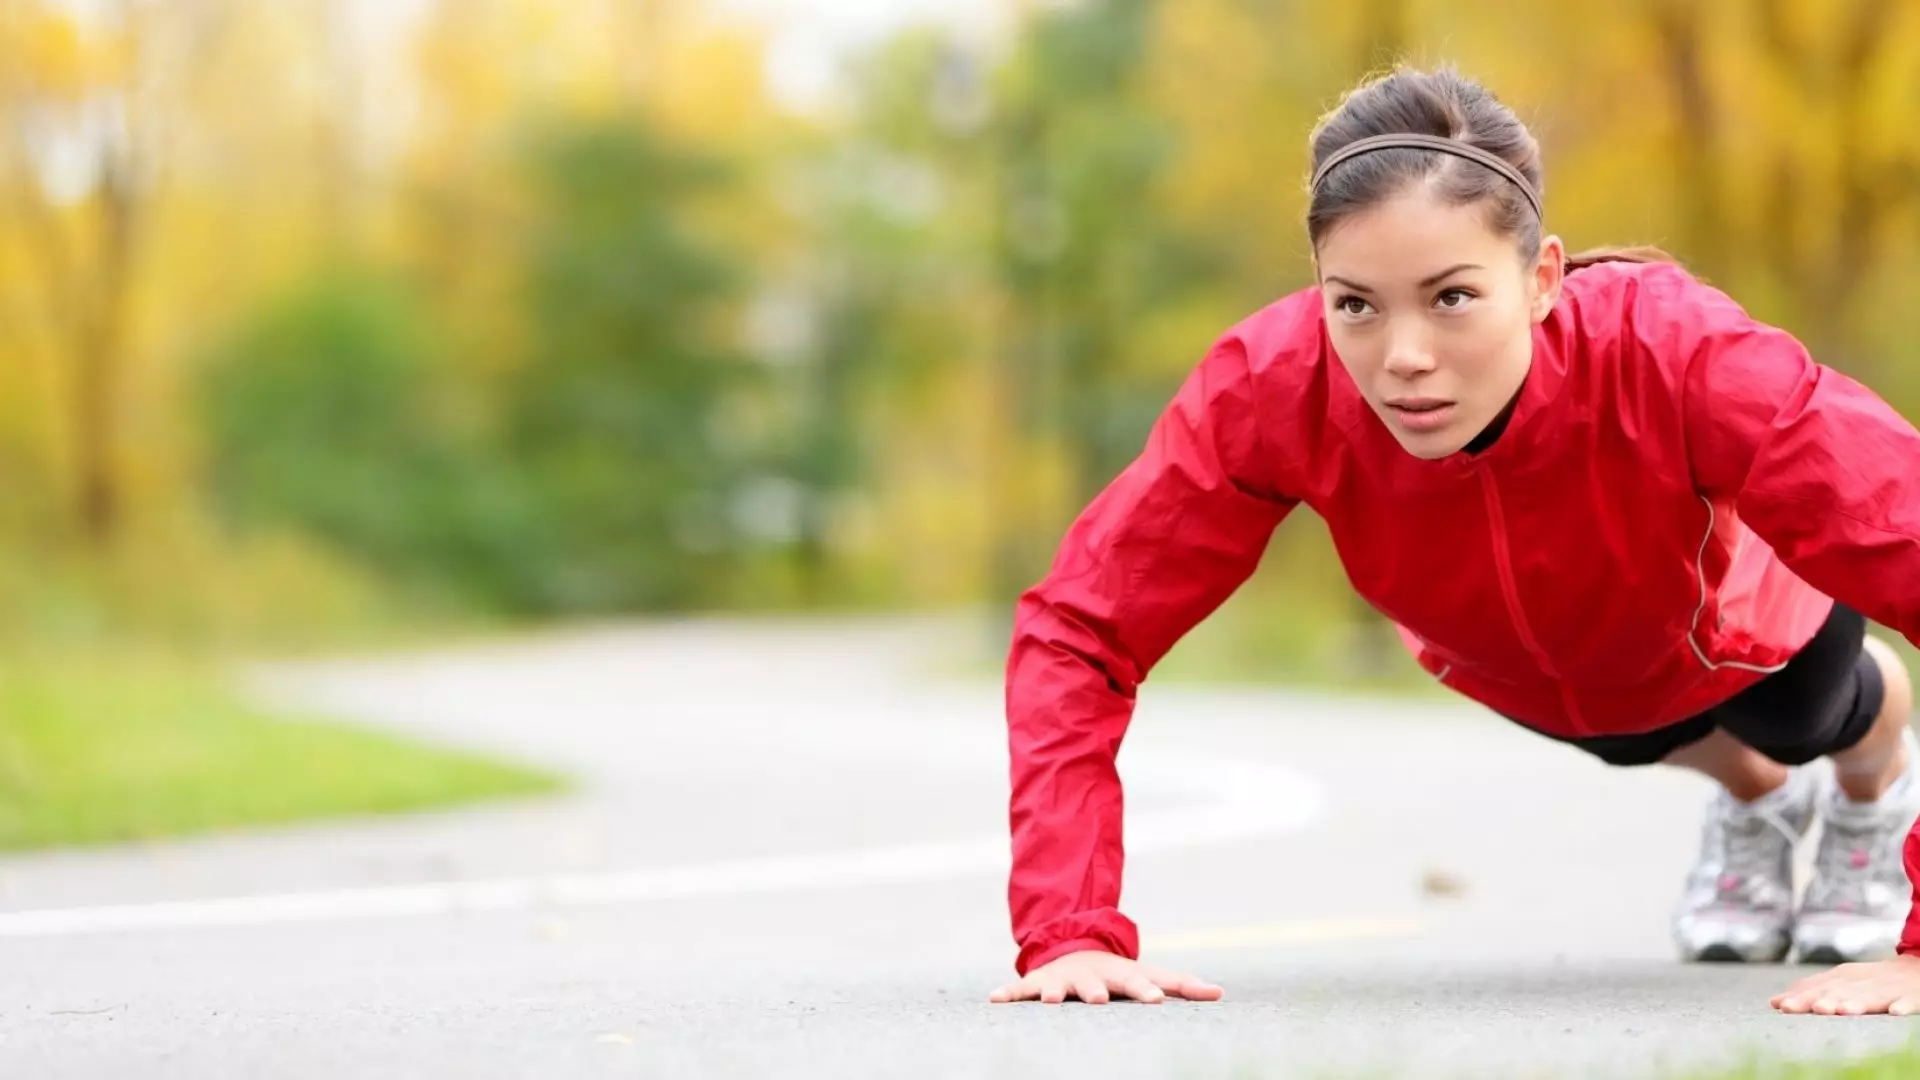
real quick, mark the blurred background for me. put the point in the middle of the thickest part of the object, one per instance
(341, 324)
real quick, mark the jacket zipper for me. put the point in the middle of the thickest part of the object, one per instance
(1510, 591)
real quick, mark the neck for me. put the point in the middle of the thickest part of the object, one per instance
(1491, 433)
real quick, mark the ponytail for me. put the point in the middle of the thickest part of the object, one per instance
(1643, 253)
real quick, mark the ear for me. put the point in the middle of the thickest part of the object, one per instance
(1549, 272)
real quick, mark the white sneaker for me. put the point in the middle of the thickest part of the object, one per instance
(1738, 903)
(1857, 902)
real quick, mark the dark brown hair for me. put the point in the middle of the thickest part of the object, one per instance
(1449, 105)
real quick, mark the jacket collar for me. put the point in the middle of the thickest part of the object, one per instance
(1529, 429)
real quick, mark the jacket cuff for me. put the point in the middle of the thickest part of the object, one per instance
(1105, 930)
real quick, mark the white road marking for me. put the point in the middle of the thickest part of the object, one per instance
(1232, 800)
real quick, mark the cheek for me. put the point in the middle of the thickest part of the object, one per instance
(1356, 353)
(1491, 343)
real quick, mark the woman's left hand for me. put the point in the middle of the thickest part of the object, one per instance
(1882, 986)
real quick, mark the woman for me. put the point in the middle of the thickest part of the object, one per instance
(1593, 494)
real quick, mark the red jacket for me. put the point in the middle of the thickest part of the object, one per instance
(1678, 498)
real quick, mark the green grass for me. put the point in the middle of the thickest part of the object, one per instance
(112, 745)
(1900, 1065)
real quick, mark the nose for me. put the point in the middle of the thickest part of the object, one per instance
(1409, 355)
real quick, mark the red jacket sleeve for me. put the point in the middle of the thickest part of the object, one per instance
(1818, 465)
(1910, 937)
(1167, 541)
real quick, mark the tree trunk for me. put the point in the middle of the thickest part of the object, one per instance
(99, 341)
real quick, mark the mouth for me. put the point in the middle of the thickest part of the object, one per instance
(1421, 414)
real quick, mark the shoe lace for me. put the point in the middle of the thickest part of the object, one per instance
(1750, 842)
(1853, 855)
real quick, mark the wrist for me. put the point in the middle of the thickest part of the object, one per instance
(1047, 955)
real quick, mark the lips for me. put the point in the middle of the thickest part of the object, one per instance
(1421, 414)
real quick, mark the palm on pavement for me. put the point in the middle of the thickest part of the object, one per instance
(1884, 986)
(1098, 977)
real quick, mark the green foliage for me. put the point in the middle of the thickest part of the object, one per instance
(605, 472)
(332, 416)
(621, 426)
(1079, 152)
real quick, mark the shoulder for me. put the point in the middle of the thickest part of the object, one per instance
(1289, 362)
(1658, 312)
(1284, 334)
(1268, 357)
(1627, 286)
(1657, 333)
(1266, 381)
(1288, 358)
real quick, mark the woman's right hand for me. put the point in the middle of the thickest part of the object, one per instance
(1095, 977)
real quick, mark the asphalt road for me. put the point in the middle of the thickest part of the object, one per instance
(788, 859)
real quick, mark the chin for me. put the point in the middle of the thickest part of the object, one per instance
(1430, 446)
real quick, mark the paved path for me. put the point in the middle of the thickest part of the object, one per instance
(787, 859)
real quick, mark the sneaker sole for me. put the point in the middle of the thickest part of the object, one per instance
(1727, 954)
(1822, 954)
(1832, 954)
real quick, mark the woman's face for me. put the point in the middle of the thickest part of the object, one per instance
(1432, 314)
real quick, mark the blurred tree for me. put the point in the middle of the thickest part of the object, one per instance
(150, 188)
(1081, 261)
(620, 423)
(89, 103)
(324, 415)
(1826, 211)
(879, 325)
(594, 223)
(615, 474)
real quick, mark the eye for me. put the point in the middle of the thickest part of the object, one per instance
(1461, 296)
(1351, 305)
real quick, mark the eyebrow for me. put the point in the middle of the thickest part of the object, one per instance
(1425, 282)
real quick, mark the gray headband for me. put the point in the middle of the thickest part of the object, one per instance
(1413, 141)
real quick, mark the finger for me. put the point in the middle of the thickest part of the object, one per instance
(1904, 1006)
(1867, 997)
(1013, 991)
(1851, 1000)
(1196, 990)
(1091, 990)
(1053, 992)
(1141, 989)
(1181, 984)
(1805, 989)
